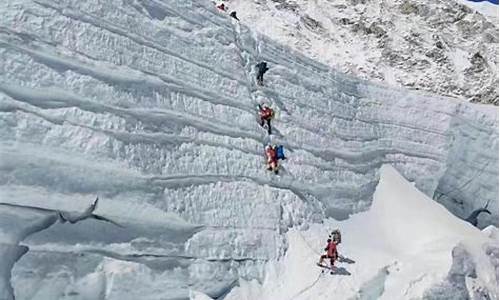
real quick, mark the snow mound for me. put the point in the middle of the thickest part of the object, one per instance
(406, 246)
(193, 295)
(491, 231)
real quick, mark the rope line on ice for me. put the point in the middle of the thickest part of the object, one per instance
(273, 154)
(307, 287)
(466, 183)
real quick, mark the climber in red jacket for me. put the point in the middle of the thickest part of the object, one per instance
(266, 115)
(331, 253)
(222, 7)
(272, 158)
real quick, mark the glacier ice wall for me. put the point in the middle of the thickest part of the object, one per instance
(151, 105)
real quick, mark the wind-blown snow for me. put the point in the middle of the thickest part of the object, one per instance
(151, 106)
(405, 247)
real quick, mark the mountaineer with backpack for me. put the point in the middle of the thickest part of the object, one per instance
(273, 154)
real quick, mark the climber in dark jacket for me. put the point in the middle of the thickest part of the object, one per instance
(261, 69)
(233, 14)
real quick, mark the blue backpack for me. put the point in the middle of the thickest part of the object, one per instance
(280, 152)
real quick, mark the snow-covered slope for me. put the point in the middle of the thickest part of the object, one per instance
(442, 46)
(405, 247)
(151, 105)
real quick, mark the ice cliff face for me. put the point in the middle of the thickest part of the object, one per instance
(440, 46)
(151, 106)
(411, 249)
